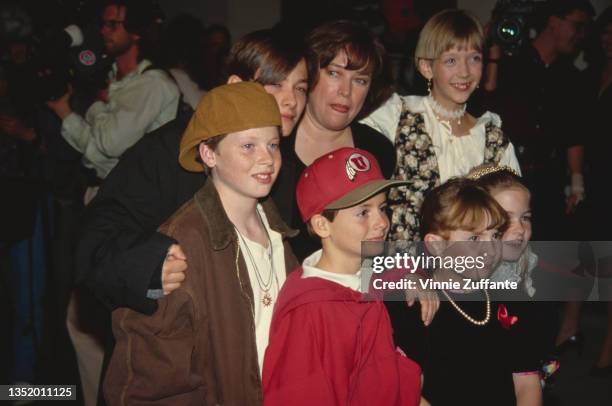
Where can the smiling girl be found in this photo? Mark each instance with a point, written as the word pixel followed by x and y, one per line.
pixel 435 137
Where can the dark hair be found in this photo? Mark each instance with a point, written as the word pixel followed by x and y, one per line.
pixel 183 46
pixel 328 214
pixel 561 8
pixel 363 50
pixel 460 203
pixel 143 18
pixel 604 19
pixel 265 55
pixel 213 28
pixel 594 52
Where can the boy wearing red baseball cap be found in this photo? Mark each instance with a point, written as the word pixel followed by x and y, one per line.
pixel 329 346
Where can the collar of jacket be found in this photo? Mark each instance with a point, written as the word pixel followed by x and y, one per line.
pixel 220 228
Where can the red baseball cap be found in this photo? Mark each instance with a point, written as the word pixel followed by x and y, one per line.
pixel 340 179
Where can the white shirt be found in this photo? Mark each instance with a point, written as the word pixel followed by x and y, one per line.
pixel 264 258
pixel 138 103
pixel 351 281
pixel 455 155
pixel 192 94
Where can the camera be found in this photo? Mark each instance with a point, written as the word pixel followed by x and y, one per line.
pixel 511 24
pixel 72 55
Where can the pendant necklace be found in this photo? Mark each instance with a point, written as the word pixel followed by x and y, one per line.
pixel 264 286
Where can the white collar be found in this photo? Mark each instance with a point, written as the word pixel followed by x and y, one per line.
pixel 351 281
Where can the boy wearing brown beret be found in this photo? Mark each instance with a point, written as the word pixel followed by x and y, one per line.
pixel 205 344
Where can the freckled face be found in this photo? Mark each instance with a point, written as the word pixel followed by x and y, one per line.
pixel 246 163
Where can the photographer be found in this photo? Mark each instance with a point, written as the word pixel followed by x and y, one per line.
pixel 540 99
pixel 139 99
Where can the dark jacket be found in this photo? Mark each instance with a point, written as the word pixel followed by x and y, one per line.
pixel 120 253
pixel 199 346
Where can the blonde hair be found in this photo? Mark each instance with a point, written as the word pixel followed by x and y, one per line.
pixel 460 204
pixel 447 29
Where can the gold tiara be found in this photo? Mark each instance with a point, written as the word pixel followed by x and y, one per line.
pixel 480 171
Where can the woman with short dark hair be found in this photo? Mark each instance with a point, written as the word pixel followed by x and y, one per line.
pixel 346 66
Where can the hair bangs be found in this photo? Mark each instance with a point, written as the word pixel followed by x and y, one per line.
pixel 449 29
pixel 474 211
pixel 268 56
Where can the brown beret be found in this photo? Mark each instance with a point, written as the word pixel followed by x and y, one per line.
pixel 227 109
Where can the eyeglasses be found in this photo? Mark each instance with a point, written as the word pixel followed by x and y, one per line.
pixel 111 24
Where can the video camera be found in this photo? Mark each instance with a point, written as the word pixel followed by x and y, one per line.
pixel 63 44
pixel 511 24
pixel 71 56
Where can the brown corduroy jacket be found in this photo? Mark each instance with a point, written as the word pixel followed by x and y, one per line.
pixel 199 347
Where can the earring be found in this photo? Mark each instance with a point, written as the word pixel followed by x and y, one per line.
pixel 429 86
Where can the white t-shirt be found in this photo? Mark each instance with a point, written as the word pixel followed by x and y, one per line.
pixel 264 259
pixel 192 94
pixel 351 281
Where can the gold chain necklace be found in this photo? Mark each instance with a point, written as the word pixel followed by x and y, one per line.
pixel 467 316
pixel 264 287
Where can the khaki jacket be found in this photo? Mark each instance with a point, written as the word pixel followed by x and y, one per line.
pixel 199 347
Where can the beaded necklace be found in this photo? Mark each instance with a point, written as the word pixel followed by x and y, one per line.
pixel 467 316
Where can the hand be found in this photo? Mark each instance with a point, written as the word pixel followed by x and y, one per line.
pixel 15 128
pixel 572 202
pixel 495 52
pixel 61 106
pixel 430 302
pixel 102 95
pixel 173 269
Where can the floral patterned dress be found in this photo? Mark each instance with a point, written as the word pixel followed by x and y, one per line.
pixel 427 155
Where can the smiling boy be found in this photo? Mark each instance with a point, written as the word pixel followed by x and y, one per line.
pixel 205 343
pixel 328 344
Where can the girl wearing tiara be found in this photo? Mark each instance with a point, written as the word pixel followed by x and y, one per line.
pixel 533 332
pixel 518 261
pixel 435 137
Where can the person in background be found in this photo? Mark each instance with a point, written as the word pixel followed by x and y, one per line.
pixel 138 100
pixel 541 99
pixel 217 45
pixel 183 56
pixel 598 145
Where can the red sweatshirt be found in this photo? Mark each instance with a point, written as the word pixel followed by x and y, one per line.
pixel 329 347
